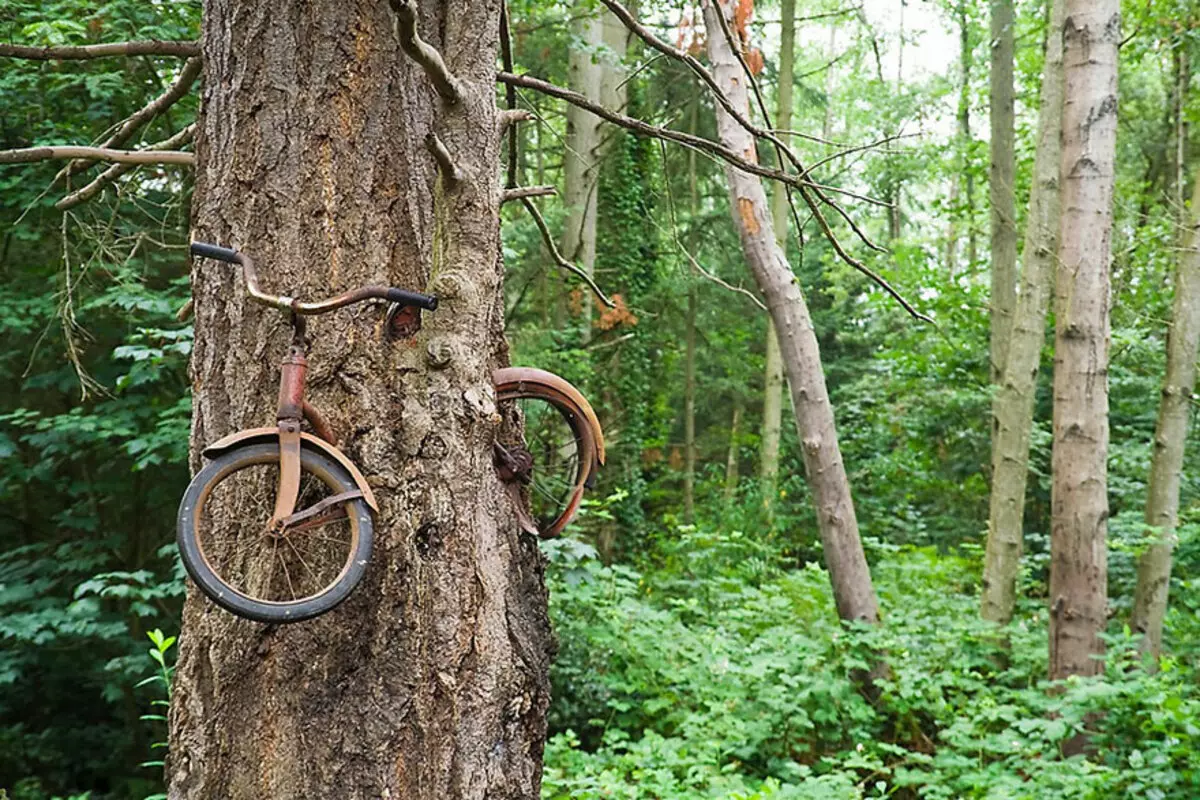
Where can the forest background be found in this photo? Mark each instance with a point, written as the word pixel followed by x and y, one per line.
pixel 699 651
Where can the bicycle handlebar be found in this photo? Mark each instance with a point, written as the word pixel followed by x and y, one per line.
pixel 402 296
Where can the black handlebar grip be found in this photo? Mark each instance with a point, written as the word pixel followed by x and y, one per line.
pixel 213 251
pixel 406 298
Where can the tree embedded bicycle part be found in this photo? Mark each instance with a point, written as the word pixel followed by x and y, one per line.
pixel 279 526
pixel 301 554
pixel 564 430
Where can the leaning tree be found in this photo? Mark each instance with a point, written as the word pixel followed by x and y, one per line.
pixel 342 144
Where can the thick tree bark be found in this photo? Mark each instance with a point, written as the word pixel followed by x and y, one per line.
pixel 1013 406
pixel 772 421
pixel 431 680
pixel 1079 502
pixel 1001 177
pixel 844 557
pixel 1166 463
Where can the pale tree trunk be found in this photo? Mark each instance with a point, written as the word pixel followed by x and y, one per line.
pixel 962 175
pixel 1001 176
pixel 772 421
pixel 731 460
pixel 844 557
pixel 1013 406
pixel 594 71
pixel 1079 502
pixel 1166 463
pixel 431 681
pixel 581 156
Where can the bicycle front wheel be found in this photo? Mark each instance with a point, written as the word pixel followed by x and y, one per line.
pixel 261 571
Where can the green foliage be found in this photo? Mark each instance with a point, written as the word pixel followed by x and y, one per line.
pixel 720 673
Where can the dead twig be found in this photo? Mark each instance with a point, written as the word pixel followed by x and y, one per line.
pixel 31 154
pixel 117 170
pixel 150 47
pixel 558 257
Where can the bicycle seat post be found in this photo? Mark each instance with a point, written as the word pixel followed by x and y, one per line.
pixel 291 375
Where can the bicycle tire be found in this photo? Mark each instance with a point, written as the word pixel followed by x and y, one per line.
pixel 234 599
pixel 530 384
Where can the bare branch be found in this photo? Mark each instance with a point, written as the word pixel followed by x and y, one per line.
pixel 646 129
pixel 687 254
pixel 445 161
pixel 191 70
pixel 781 148
pixel 521 192
pixel 152 47
pixel 558 257
pixel 30 154
pixel 117 170
pixel 424 53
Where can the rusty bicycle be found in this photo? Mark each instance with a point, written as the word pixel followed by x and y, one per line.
pixel 278 526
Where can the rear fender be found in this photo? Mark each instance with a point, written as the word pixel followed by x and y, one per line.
pixel 529 382
pixel 256 435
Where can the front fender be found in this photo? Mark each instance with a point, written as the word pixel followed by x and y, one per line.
pixel 255 435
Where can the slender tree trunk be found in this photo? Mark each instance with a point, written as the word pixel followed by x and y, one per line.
pixel 772 422
pixel 731 460
pixel 689 408
pixel 1001 178
pixel 1166 464
pixel 581 158
pixel 1079 502
pixel 848 571
pixel 594 70
pixel 689 364
pixel 962 175
pixel 1013 407
pixel 431 681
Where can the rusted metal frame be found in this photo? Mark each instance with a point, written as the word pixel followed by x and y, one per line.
pixel 289 415
pixel 516 382
pixel 320 425
pixel 290 522
pixel 533 382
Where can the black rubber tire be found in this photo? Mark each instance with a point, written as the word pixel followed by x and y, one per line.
pixel 235 601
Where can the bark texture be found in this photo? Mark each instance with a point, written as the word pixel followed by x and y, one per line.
pixel 1001 177
pixel 772 422
pixel 1013 405
pixel 1170 436
pixel 848 571
pixel 431 680
pixel 1079 502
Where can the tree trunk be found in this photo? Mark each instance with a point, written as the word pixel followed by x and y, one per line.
pixel 773 384
pixel 593 71
pixel 689 407
pixel 581 156
pixel 1013 406
pixel 431 681
pixel 962 174
pixel 731 460
pixel 1001 177
pixel 1079 502
pixel 848 571
pixel 1166 463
